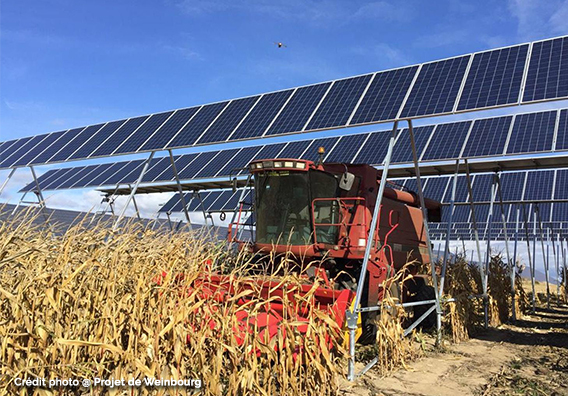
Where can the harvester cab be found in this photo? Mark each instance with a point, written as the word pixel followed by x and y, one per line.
pixel 320 214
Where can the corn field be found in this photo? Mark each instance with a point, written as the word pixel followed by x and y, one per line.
pixel 91 304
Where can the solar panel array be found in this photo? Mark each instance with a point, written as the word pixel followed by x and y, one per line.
pixel 477 138
pixel 519 74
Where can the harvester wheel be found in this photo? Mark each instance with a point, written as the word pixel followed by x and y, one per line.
pixel 425 292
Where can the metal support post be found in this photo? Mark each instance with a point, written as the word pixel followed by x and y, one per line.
pixel 426 230
pixel 506 235
pixel 7 180
pixel 135 205
pixel 170 220
pixel 449 228
pixel 203 208
pixel 39 196
pixel 565 270
pixel 514 273
pixel 133 190
pixel 351 315
pixel 557 260
pixel 180 189
pixel 531 261
pixel 488 230
pixel 473 217
pixel 544 255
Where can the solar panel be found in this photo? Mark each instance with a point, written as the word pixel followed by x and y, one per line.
pixel 157 167
pixel 195 203
pixel 19 149
pixel 258 120
pixel 79 173
pixel 547 76
pixel 228 120
pixel 127 175
pixel 384 96
pixel 312 151
pixel 298 109
pixel 173 201
pixel 241 160
pixel 447 141
pixel 434 188
pixel 38 149
pixel 4 146
pixel 512 185
pixel 532 132
pixel 75 138
pixel 194 128
pixel 169 129
pixel 539 185
pixel 144 131
pixel 94 139
pixel 402 151
pixel 346 149
pixel 562 134
pixel 494 78
pixel 436 88
pixel 59 178
pixel 181 162
pixel 561 186
pixel 210 199
pixel 105 173
pixel 196 165
pixel 294 149
pixel 232 201
pixel 90 172
pixel 560 211
pixel 339 103
pixel 55 146
pixel 270 151
pixel 481 187
pixel 488 137
pixel 221 201
pixel 42 180
pixel 374 149
pixel 118 137
pixel 216 163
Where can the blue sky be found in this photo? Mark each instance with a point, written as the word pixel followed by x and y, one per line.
pixel 69 63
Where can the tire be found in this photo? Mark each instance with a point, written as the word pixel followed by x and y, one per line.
pixel 424 293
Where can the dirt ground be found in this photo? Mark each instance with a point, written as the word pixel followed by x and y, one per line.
pixel 529 357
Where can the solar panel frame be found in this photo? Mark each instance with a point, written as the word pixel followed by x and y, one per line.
pixel 119 136
pixel 217 162
pixel 239 161
pixel 456 132
pixel 374 149
pixel 79 137
pixel 136 139
pixel 532 130
pixel 96 139
pixel 22 146
pixel 347 148
pixel 169 129
pixel 488 137
pixel 31 154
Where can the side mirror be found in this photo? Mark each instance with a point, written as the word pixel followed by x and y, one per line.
pixel 346 181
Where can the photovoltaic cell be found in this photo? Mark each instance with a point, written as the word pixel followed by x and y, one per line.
pixel 375 149
pixel 90 172
pixel 494 78
pixel 532 132
pixel 346 148
pixel 436 87
pixel 13 153
pixel 136 139
pixel 41 180
pixel 195 204
pixel 220 160
pixel 194 128
pixel 96 139
pixel 78 173
pixel 547 77
pixel 127 174
pixel 198 163
pixel 447 141
pixel 512 185
pixel 221 201
pixel 6 148
pixel 488 137
pixel 158 166
pixel 299 109
pixel 241 160
pixel 118 137
pixel 263 113
pixel 312 152
pixel 434 189
pixel 384 97
pixel 210 199
pixel 233 201
pixel 268 152
pixel 539 185
pixel 54 147
pixel 462 193
pixel 173 201
pixel 402 151
pixel 562 137
pixel 294 149
pixel 104 174
pixel 74 139
pixel 481 187
pixel 228 121
pixel 169 129
pixel 339 103
pixel 561 187
pixel 60 177
pixel 181 161
pixel 560 212
pixel 44 144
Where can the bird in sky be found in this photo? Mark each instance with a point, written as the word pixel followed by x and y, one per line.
pixel 280 45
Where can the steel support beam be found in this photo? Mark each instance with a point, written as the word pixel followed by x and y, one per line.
pixel 179 188
pixel 510 262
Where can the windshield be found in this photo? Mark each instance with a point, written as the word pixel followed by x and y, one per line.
pixel 283 208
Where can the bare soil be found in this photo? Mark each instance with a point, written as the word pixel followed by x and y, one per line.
pixel 528 357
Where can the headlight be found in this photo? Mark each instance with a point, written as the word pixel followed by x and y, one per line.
pixel 288 164
pixel 277 164
pixel 301 165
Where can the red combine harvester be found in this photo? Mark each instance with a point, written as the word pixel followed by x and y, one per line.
pixel 320 214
